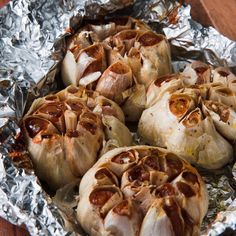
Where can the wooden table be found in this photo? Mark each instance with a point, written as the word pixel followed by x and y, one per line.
pixel 217 13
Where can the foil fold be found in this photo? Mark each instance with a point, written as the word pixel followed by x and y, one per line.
pixel 32 44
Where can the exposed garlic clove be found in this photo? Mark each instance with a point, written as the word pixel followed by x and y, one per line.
pixel 224 118
pixel 94 206
pixel 123 219
pixel 223 94
pixel 155 54
pixel 163 84
pixel 122 161
pixel 91 62
pixel 115 79
pixel 197 73
pixel 222 75
pixel 54 112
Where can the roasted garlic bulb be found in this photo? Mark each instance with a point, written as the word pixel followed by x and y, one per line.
pixel 66 132
pixel 118 58
pixel 193 114
pixel 139 191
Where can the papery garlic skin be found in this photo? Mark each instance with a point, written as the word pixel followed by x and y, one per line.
pixel 177 204
pixel 65 133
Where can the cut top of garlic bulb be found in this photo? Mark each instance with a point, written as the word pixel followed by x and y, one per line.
pixel 66 131
pixel 142 190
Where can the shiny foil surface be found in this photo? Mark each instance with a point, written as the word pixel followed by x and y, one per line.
pixel 32 44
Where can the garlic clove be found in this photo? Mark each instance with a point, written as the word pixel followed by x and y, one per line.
pixel 123 219
pixel 115 79
pixel 196 73
pixel 224 118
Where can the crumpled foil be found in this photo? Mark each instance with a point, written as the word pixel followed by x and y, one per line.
pixel 32 44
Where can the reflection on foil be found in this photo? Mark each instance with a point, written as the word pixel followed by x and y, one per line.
pixel 31 46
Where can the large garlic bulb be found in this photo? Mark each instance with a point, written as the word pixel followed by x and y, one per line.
pixel 118 58
pixel 193 114
pixel 65 133
pixel 141 191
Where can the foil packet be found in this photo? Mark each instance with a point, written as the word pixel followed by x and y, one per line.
pixel 32 45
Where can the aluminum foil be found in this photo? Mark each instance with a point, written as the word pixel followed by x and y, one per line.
pixel 32 44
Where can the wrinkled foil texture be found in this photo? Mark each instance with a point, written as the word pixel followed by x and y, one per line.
pixel 32 44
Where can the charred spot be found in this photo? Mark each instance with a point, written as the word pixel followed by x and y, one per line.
pixel 172 211
pixel 54 109
pixel 185 189
pixel 223 73
pixel 138 173
pixel 152 162
pixel 165 190
pixel 72 90
pixel 190 177
pixel 174 165
pixel 34 125
pixel 72 133
pixel 99 197
pixel 124 158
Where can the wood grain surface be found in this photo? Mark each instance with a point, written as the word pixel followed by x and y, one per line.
pixel 7 229
pixel 217 13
